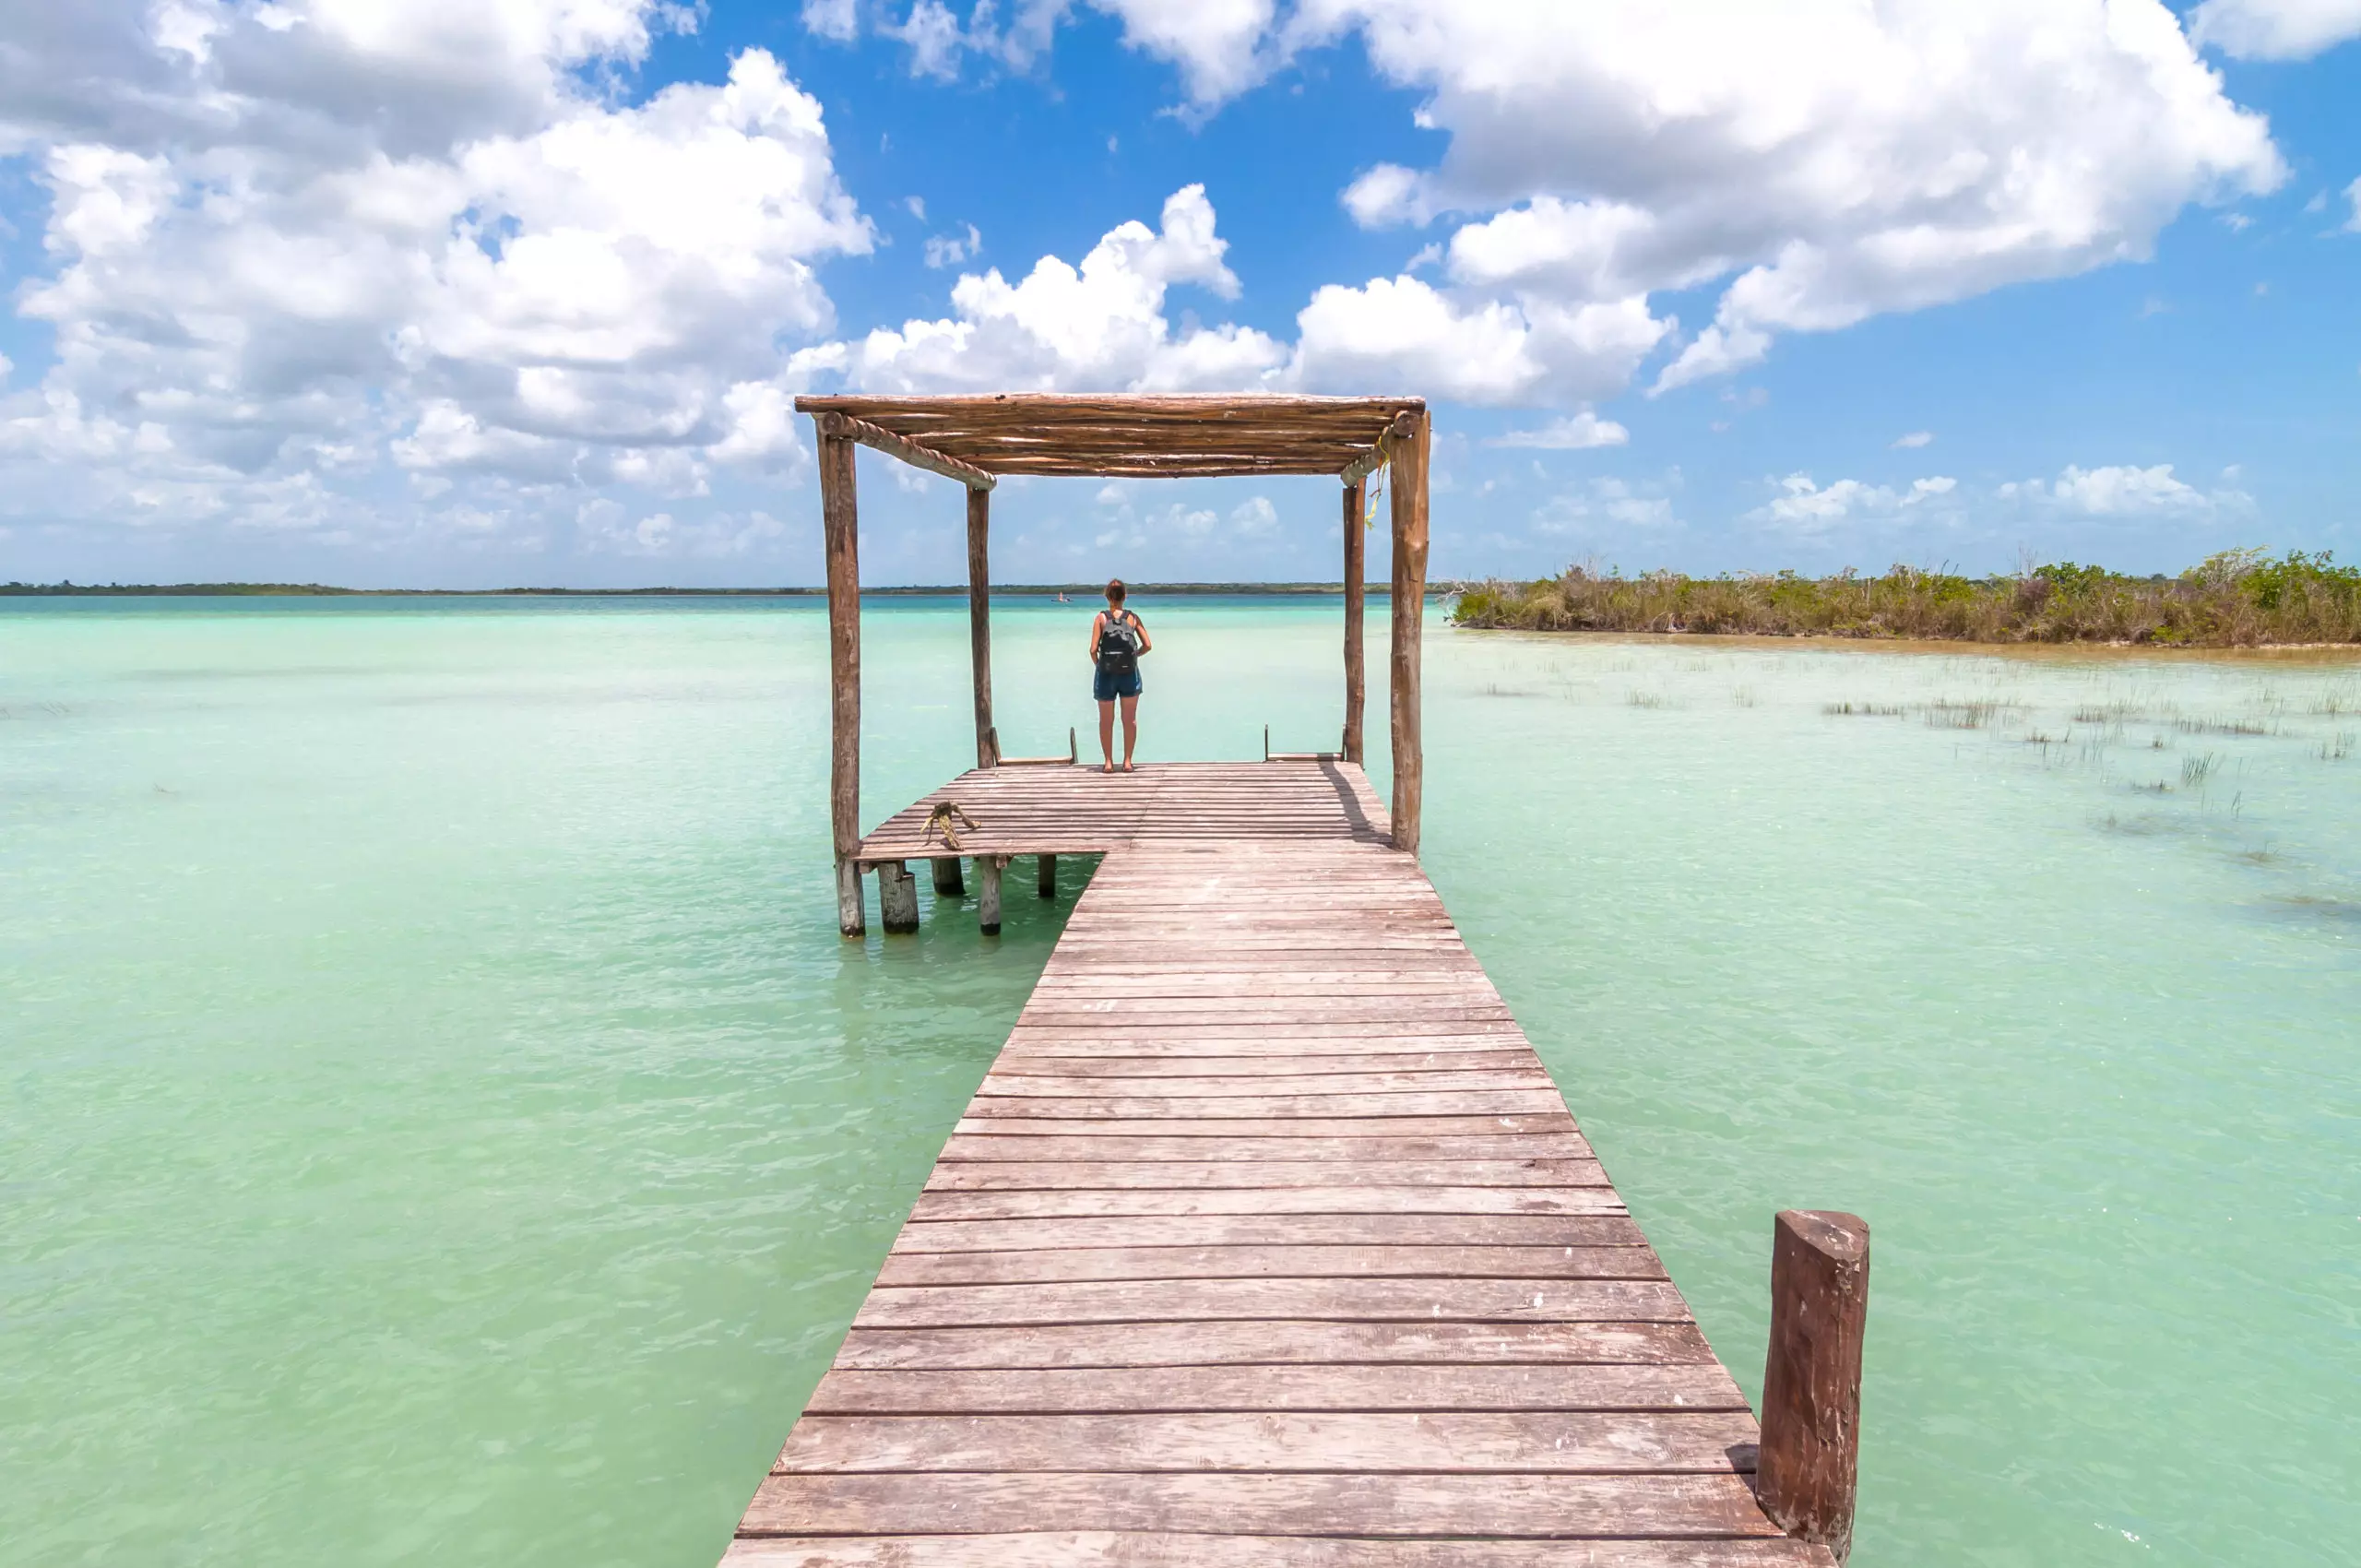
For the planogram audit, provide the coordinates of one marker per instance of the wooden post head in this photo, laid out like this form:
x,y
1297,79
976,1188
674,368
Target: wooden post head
x,y
1811,1382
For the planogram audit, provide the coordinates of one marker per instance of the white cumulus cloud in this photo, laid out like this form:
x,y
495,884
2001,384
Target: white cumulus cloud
x,y
2122,492
1570,433
1098,327
2275,30
1833,159
950,250
1802,506
300,239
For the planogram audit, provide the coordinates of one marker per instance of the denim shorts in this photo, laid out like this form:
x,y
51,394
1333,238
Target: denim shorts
x,y
1107,688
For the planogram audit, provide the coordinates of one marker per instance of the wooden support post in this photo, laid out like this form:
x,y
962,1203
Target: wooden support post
x,y
947,881
1409,485
1811,1384
980,624
1356,675
988,892
897,896
840,529
1047,884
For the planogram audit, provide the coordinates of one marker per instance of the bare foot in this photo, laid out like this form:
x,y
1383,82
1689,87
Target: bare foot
x,y
1109,767
1127,764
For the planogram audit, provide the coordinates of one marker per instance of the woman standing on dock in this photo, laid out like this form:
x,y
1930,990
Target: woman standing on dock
x,y
1117,640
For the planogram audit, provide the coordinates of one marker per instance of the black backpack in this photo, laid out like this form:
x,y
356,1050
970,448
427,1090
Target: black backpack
x,y
1118,644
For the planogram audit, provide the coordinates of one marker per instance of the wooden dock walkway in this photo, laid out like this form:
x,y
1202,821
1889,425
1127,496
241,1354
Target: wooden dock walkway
x,y
1267,1243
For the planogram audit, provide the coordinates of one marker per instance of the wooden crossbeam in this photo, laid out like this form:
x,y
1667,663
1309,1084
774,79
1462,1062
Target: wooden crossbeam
x,y
909,451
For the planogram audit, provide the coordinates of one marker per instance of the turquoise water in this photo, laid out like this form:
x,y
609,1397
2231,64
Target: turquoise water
x,y
440,1122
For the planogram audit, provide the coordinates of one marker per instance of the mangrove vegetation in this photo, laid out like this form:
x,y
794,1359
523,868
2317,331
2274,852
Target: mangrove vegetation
x,y
2236,599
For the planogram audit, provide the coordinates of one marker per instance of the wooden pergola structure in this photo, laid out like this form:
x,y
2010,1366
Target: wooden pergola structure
x,y
976,439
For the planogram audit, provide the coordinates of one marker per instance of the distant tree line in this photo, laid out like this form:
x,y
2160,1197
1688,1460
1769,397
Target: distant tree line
x,y
2236,599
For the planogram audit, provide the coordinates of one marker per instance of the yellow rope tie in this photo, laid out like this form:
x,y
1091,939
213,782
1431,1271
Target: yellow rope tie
x,y
947,819
1375,487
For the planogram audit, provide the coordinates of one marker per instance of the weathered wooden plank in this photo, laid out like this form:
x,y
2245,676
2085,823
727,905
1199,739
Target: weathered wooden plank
x,y
1378,1127
1574,1386
979,1176
1518,1231
1292,1342
1270,1262
1544,1146
1269,1200
1208,1301
1463,1102
1106,1548
1133,1037
1000,1085
1374,1443
1331,1504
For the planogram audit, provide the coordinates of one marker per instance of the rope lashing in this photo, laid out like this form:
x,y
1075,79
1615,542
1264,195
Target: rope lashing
x,y
947,819
1375,486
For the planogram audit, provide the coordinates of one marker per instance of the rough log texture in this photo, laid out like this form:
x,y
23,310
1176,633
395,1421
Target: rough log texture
x,y
987,868
1409,610
909,451
1156,436
948,883
841,531
1811,1382
1047,884
979,622
1356,611
897,897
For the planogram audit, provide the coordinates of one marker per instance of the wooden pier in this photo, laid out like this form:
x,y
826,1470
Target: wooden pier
x,y
1267,1242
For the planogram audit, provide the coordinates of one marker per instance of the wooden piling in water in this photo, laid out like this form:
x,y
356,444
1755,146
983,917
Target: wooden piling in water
x,y
1808,1471
840,535
1047,879
947,882
1356,670
897,897
979,622
987,869
1409,482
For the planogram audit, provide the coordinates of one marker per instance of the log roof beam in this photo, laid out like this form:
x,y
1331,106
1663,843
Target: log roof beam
x,y
1122,435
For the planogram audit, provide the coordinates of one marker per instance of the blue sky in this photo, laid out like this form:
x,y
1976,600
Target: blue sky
x,y
476,292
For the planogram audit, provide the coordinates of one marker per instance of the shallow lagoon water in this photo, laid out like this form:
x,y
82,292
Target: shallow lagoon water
x,y
440,1122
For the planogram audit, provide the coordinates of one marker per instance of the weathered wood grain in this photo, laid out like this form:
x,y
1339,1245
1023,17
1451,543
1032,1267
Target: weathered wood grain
x,y
1269,1200
1505,1505
979,622
1518,1231
1129,1175
840,543
1370,1443
1213,1301
1269,1263
1565,1386
1356,620
1123,1146
1811,1379
1104,1549
1409,491
1312,1344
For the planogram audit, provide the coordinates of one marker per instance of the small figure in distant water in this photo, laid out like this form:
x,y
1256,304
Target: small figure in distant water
x,y
1117,640
1063,599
